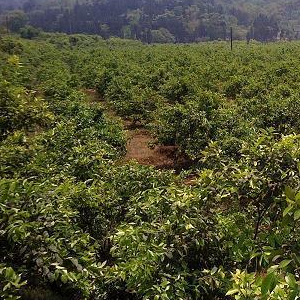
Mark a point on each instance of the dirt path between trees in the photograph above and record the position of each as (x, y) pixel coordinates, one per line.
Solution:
(139, 149)
(139, 142)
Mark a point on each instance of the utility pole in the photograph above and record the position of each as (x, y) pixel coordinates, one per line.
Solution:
(231, 38)
(6, 24)
(70, 21)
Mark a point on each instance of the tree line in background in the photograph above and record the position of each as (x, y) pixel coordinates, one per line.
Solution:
(154, 21)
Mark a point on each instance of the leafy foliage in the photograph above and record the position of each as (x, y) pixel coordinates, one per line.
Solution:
(77, 222)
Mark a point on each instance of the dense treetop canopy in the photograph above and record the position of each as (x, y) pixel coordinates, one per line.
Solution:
(161, 20)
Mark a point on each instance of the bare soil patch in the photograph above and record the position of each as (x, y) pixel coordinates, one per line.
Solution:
(139, 142)
(139, 149)
(93, 96)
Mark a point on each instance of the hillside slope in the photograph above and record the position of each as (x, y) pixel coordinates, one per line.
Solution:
(162, 20)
